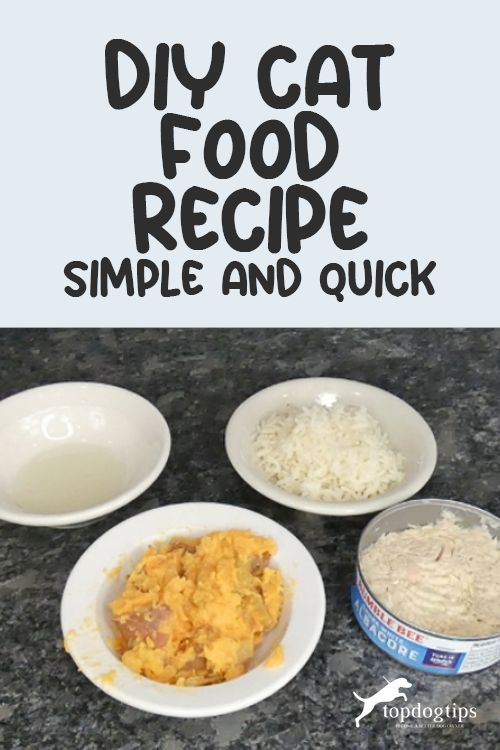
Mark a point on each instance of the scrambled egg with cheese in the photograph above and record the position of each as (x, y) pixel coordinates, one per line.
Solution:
(194, 610)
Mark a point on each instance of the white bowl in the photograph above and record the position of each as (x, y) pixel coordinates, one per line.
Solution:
(90, 588)
(115, 442)
(406, 429)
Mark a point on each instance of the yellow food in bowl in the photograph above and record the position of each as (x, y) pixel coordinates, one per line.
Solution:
(194, 610)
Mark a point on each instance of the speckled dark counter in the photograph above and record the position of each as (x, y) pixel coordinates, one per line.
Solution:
(197, 378)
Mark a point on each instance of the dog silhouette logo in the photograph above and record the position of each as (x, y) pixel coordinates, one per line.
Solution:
(387, 694)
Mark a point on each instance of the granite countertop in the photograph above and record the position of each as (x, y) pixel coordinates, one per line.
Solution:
(197, 378)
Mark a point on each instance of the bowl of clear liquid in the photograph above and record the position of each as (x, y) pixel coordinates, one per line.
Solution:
(72, 452)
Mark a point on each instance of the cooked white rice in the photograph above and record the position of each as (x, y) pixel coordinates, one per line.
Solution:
(337, 453)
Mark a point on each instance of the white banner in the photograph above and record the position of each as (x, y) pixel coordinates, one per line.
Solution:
(265, 164)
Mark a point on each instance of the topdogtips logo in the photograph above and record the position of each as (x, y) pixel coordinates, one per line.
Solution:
(387, 694)
(419, 713)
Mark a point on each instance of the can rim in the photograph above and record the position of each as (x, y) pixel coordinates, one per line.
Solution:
(402, 506)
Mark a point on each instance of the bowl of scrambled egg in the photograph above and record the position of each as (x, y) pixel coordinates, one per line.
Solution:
(196, 609)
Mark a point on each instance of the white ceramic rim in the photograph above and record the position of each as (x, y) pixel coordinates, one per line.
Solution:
(299, 640)
(357, 507)
(96, 511)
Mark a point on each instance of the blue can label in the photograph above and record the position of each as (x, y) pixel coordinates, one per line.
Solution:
(415, 648)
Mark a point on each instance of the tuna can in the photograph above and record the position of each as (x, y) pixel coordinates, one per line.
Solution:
(408, 644)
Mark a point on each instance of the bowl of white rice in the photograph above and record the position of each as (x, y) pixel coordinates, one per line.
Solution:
(331, 446)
